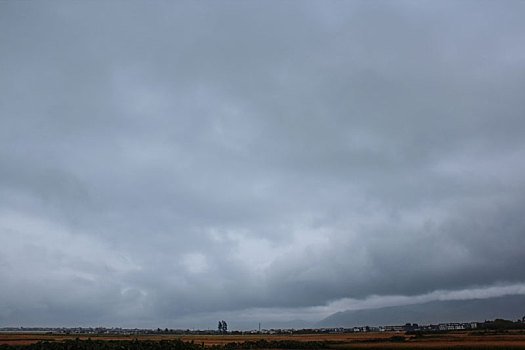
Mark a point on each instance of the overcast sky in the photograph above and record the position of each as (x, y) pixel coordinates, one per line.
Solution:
(174, 163)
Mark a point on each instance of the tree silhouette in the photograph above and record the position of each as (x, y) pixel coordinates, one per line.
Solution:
(223, 327)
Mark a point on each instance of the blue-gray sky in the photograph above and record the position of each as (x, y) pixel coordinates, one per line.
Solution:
(175, 163)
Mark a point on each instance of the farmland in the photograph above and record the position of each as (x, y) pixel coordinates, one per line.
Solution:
(383, 340)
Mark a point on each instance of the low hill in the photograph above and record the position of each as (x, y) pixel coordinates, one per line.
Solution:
(508, 307)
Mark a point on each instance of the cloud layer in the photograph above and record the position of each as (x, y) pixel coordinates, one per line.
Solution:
(161, 163)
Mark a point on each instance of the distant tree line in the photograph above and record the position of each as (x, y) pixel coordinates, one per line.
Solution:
(501, 324)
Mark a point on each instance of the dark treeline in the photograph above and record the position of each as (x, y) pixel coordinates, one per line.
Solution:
(106, 345)
(501, 324)
(162, 345)
(259, 344)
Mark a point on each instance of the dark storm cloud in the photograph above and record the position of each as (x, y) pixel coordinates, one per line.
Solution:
(171, 163)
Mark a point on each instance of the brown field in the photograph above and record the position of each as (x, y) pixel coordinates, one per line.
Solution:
(452, 340)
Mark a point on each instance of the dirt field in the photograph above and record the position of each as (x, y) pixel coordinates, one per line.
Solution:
(460, 340)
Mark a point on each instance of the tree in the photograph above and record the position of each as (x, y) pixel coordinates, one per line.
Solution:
(223, 327)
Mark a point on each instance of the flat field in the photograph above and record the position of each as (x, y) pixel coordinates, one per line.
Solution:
(384, 340)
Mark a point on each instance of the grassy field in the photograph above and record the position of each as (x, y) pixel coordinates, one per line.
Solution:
(384, 340)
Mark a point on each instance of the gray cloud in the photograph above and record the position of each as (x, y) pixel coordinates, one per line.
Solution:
(171, 163)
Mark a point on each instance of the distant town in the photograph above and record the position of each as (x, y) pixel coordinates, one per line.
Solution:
(408, 327)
